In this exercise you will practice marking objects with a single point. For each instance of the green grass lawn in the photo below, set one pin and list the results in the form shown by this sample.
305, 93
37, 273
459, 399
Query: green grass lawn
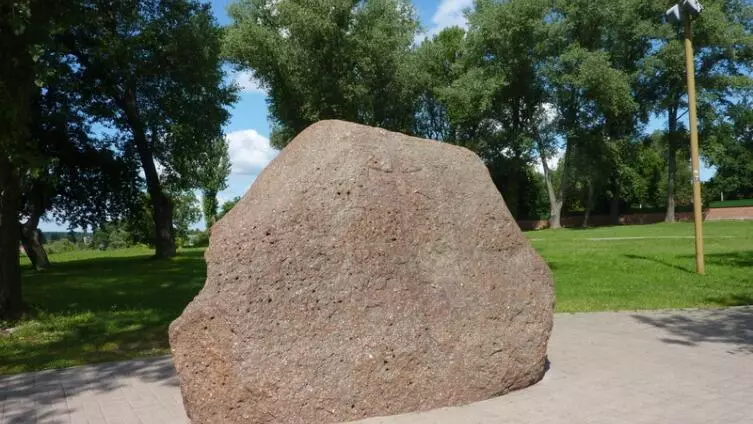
651, 267
731, 203
100, 306
106, 306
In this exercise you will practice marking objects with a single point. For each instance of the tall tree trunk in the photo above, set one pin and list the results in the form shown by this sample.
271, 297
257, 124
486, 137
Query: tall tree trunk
614, 210
555, 206
556, 197
671, 170
513, 193
10, 270
17, 79
589, 201
671, 162
32, 238
162, 208
163, 224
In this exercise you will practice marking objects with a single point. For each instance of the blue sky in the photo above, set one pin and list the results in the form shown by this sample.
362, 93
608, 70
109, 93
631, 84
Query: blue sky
248, 128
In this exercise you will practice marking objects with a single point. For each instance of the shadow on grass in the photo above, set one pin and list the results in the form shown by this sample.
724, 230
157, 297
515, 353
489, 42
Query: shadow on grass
50, 388
740, 259
660, 262
729, 326
732, 300
98, 310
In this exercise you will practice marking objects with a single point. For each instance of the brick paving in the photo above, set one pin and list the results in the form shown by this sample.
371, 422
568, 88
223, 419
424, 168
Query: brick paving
660, 367
143, 391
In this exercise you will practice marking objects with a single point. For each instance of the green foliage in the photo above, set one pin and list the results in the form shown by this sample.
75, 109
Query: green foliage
199, 239
60, 246
118, 239
327, 59
164, 56
100, 306
436, 64
150, 72
729, 147
112, 235
186, 212
214, 172
528, 81
523, 189
227, 206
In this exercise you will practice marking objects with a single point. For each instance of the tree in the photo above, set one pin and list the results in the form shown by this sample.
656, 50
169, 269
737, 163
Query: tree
213, 176
730, 150
437, 64
186, 213
589, 88
21, 28
151, 69
587, 91
227, 206
482, 90
79, 179
505, 43
722, 44
327, 59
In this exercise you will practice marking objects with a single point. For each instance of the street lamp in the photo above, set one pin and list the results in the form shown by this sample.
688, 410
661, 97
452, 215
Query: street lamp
686, 11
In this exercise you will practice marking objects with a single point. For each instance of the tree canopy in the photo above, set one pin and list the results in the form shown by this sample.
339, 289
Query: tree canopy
327, 59
114, 111
527, 85
109, 102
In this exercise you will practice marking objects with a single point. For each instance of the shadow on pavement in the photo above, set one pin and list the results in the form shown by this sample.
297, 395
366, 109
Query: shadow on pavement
41, 396
733, 326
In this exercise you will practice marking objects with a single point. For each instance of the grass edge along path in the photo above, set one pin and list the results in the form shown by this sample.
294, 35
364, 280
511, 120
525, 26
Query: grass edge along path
106, 306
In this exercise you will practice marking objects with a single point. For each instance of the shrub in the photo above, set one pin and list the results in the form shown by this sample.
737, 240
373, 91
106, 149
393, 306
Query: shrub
119, 239
200, 239
60, 246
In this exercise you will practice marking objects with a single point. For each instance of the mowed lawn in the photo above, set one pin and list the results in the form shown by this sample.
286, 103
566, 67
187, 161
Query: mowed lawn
94, 306
106, 306
648, 266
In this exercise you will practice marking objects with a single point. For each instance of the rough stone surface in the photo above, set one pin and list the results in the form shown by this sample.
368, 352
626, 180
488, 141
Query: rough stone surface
365, 273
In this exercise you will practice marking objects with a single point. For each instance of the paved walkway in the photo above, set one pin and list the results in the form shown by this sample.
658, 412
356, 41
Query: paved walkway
669, 367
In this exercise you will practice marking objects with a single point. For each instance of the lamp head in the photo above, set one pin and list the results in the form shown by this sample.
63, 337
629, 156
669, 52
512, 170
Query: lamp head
673, 14
692, 7
678, 12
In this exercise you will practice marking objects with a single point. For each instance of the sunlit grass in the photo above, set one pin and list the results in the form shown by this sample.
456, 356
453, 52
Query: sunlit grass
96, 306
648, 266
106, 306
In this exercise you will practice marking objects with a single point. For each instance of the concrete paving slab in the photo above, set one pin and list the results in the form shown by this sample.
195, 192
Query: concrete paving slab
691, 366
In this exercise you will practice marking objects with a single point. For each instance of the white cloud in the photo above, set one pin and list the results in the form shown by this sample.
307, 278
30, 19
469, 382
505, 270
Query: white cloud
248, 83
449, 13
223, 197
551, 161
249, 152
419, 38
549, 113
157, 165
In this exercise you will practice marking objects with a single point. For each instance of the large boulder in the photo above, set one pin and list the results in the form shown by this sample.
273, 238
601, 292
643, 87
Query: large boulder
364, 273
